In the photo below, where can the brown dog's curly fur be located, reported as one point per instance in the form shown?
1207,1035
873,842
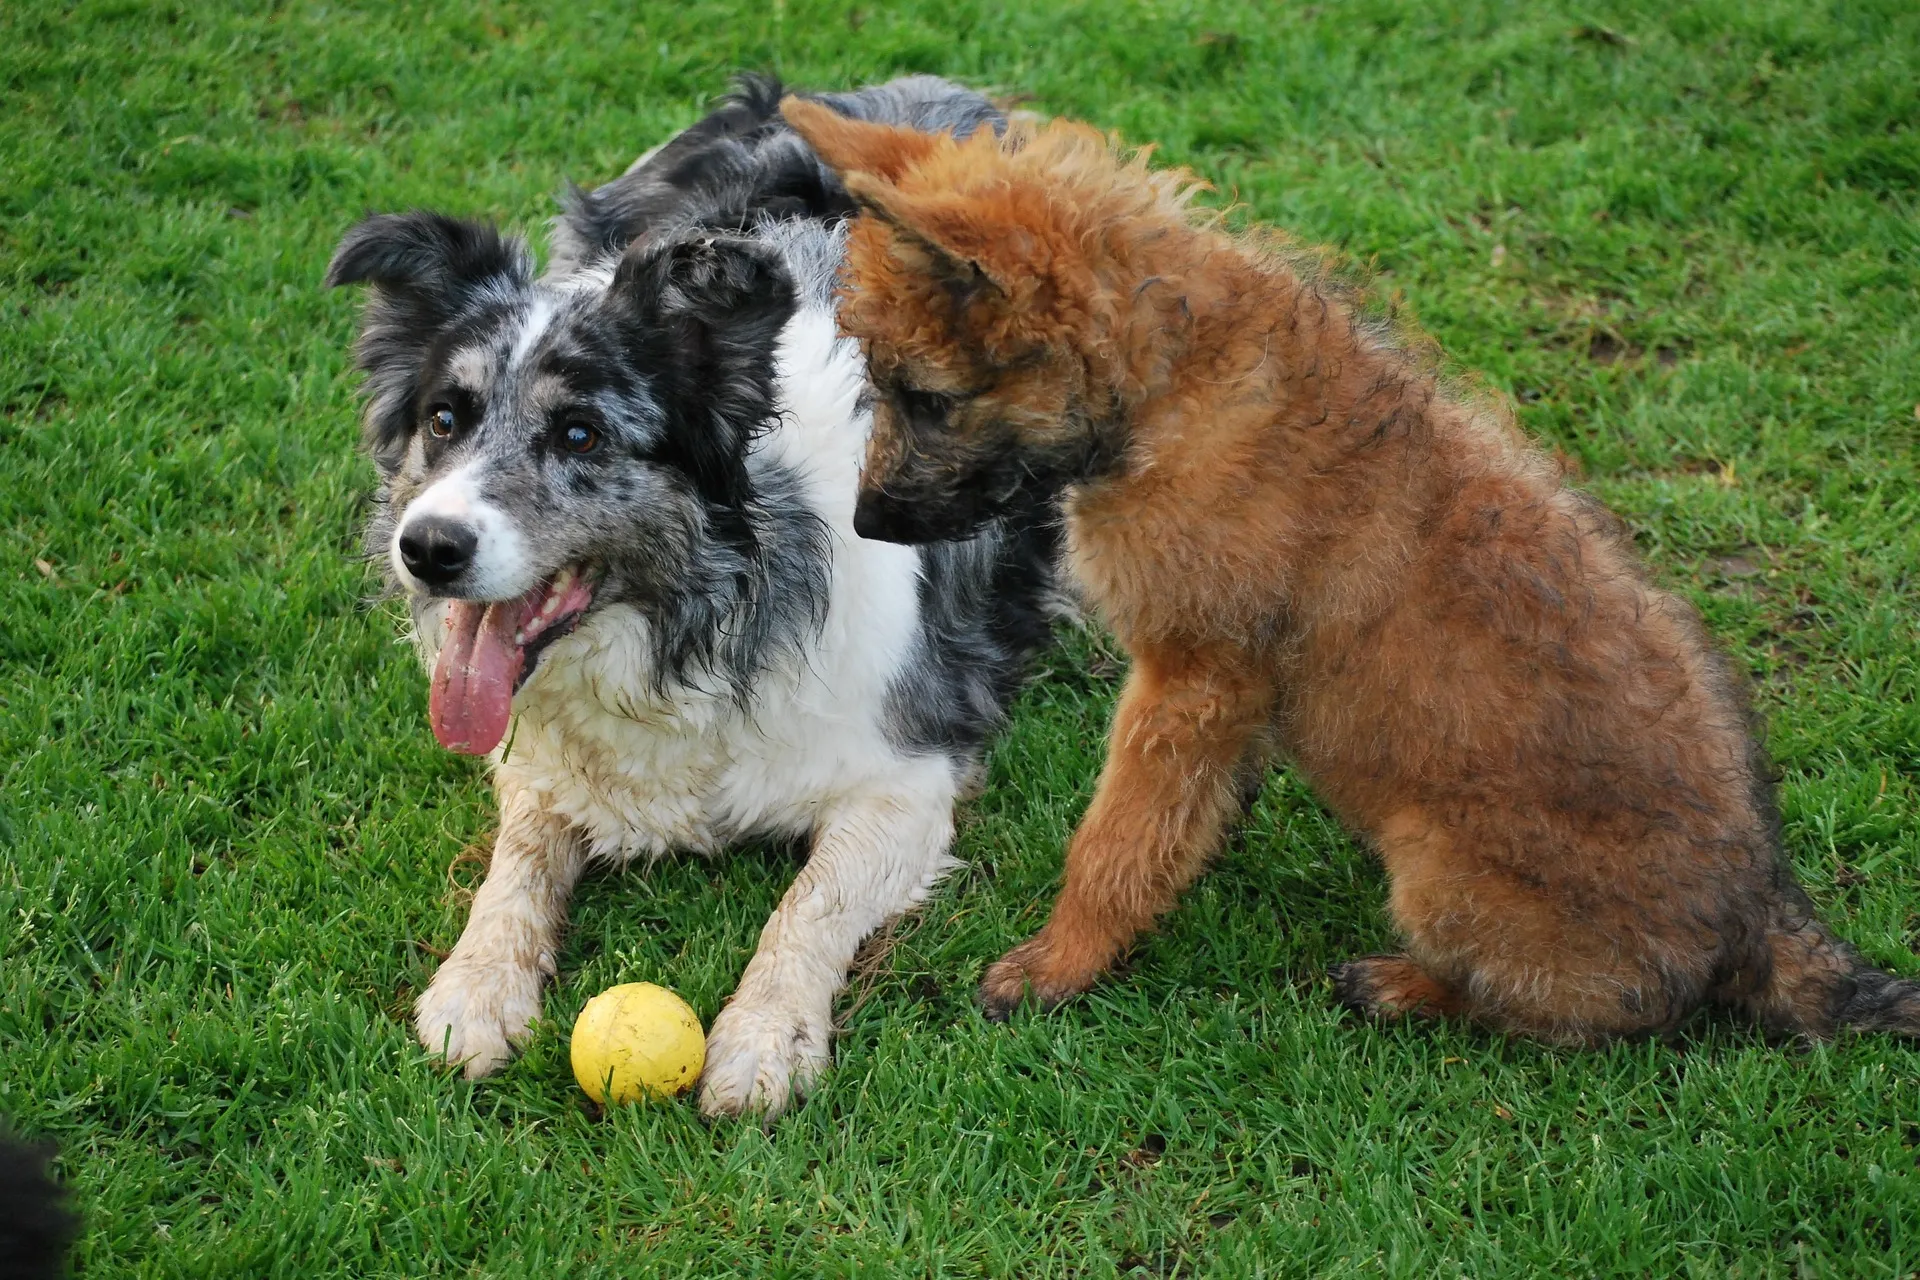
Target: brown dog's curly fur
1308,544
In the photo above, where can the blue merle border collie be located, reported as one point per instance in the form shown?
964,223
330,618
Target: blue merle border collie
618,497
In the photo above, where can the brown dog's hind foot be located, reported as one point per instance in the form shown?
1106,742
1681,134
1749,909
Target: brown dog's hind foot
1037,971
1392,987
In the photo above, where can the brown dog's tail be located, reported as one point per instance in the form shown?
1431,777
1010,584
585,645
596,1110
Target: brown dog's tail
1881,1002
1819,984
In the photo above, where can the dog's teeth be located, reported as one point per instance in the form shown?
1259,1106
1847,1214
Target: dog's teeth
553,602
561,581
519,637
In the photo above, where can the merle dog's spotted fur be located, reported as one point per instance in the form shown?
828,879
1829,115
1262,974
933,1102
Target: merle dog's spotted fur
707,246
741,167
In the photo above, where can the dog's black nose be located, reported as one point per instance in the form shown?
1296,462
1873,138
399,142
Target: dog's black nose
875,519
437,550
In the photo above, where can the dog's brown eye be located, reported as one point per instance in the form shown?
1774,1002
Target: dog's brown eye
440,423
578,437
924,408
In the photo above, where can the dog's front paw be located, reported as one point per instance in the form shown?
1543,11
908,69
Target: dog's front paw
762,1058
1035,969
475,1014
1391,987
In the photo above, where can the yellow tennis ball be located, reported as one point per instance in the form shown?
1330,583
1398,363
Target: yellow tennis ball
637,1039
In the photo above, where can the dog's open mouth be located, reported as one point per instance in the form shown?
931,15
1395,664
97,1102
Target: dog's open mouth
489,650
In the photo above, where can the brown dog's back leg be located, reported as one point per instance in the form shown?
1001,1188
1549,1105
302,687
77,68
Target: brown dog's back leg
1250,776
1165,799
1508,953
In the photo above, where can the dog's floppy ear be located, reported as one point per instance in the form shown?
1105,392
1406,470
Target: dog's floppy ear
705,312
432,261
426,269
849,146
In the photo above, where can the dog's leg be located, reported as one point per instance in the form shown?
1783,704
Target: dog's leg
487,994
1251,772
1393,987
1166,796
874,856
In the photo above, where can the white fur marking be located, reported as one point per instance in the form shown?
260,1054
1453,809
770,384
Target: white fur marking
500,570
536,324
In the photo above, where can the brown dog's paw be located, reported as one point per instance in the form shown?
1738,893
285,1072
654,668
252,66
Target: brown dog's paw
1003,987
1031,970
1391,987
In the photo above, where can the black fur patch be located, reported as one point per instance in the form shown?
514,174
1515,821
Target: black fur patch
1873,1000
741,165
36,1225
427,270
985,608
951,485
705,315
728,170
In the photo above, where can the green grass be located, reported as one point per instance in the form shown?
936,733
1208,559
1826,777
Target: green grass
1683,236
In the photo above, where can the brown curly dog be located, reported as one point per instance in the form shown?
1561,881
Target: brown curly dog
1309,544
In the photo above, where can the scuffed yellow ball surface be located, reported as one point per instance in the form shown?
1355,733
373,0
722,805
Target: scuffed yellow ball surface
637,1039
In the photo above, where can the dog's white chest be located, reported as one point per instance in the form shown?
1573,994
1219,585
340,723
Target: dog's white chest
638,776
641,774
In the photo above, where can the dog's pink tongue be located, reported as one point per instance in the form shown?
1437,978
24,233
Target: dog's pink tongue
472,696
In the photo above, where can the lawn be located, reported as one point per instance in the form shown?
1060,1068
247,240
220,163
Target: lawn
1682,237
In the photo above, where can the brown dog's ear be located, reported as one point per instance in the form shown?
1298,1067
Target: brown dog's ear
939,226
858,146
872,159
